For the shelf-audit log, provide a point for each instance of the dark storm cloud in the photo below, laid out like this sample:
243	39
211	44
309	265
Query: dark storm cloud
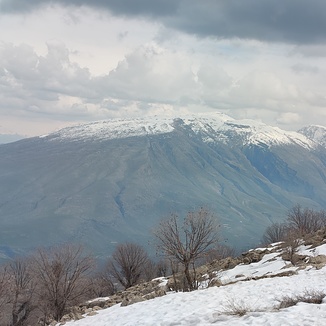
298	21
295	21
120	7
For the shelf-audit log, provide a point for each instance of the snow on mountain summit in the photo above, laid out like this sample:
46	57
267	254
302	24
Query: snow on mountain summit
212	127
258	133
116	128
315	133
124	128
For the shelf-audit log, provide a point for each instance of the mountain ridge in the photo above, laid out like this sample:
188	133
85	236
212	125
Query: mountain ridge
216	125
316	133
103	191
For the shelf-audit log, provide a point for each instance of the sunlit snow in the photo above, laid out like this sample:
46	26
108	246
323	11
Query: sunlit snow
213	306
212	127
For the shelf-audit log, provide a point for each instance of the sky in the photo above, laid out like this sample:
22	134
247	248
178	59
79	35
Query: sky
64	62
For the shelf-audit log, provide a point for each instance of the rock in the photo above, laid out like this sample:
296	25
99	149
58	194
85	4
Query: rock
86	311
317	261
71	316
99	303
92	313
131	300
154	294
253	256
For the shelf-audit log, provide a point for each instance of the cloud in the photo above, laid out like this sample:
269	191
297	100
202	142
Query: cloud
35	83
301	68
153	79
122	7
293	21
309	51
152	74
288	118
52	85
262	90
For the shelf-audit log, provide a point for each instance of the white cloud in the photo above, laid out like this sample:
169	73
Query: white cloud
302	68
64	66
288	118
152	74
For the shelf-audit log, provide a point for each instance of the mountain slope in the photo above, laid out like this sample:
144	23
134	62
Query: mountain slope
107	182
250	294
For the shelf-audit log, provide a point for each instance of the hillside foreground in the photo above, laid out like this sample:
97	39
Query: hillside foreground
251	294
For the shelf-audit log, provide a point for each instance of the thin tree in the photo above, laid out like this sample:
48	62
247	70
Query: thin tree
127	264
188	242
61	273
5	293
22	288
150	270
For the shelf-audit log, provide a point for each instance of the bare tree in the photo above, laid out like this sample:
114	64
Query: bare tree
305	220
275	233
17	293
127	264
299	221
22	288
162	268
4	292
150	270
189	241
101	285
61	274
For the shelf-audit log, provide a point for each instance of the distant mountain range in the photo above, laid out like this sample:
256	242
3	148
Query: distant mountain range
111	181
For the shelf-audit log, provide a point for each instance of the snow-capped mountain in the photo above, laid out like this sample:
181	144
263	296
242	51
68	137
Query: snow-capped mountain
315	133
110	181
211	126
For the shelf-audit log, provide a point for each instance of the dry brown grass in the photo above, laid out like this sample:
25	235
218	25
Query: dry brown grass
311	296
235	307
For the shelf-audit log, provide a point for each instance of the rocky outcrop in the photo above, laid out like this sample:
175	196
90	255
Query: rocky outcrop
137	293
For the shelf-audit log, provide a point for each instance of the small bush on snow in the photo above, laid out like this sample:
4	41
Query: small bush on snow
236	308
312	296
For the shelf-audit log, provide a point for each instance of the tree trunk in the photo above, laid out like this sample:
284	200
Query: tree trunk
188	276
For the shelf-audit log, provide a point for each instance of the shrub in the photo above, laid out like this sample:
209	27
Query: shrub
312	296
274	233
299	221
236	308
127	264
305	221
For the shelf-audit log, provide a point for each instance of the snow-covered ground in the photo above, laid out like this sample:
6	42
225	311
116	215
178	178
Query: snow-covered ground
214	306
